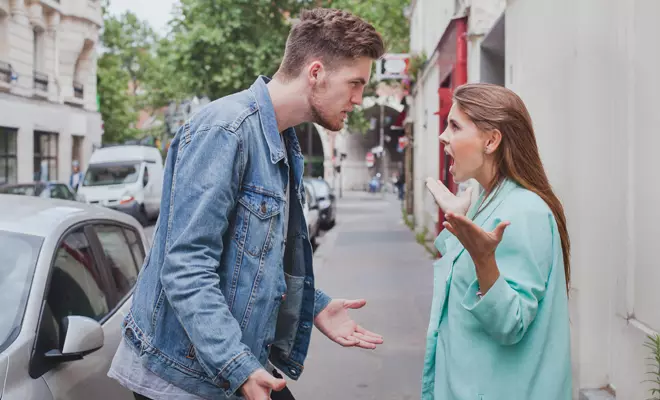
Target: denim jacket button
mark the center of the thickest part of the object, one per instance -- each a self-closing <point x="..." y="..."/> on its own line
<point x="293" y="371"/>
<point x="263" y="207"/>
<point x="225" y="385"/>
<point x="283" y="296"/>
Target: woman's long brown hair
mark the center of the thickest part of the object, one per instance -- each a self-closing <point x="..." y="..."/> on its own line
<point x="493" y="107"/>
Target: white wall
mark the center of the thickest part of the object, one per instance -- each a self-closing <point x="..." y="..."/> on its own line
<point x="588" y="74"/>
<point x="482" y="17"/>
<point x="428" y="22"/>
<point x="29" y="115"/>
<point x="426" y="148"/>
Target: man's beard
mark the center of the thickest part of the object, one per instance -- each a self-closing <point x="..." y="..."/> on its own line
<point x="319" y="116"/>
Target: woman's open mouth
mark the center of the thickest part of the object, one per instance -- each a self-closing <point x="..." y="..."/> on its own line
<point x="451" y="161"/>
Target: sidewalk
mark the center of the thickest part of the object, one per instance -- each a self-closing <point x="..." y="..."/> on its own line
<point x="371" y="254"/>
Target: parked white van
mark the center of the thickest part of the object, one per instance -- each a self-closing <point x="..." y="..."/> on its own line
<point x="125" y="178"/>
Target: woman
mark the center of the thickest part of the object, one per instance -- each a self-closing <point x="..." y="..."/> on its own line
<point x="499" y="327"/>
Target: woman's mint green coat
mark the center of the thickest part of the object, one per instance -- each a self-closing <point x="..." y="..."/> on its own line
<point x="514" y="343"/>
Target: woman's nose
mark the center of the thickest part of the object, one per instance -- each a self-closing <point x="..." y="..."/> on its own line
<point x="444" y="137"/>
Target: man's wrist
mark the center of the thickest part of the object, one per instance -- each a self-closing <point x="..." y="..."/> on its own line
<point x="321" y="301"/>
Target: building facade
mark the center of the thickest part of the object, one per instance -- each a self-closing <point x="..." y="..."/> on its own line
<point x="588" y="75"/>
<point x="48" y="104"/>
<point x="588" y="72"/>
<point x="450" y="34"/>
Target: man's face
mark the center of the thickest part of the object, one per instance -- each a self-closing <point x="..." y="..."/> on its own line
<point x="335" y="93"/>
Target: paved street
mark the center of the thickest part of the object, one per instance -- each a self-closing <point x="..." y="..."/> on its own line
<point x="370" y="254"/>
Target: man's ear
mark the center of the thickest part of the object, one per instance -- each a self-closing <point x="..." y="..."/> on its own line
<point x="315" y="71"/>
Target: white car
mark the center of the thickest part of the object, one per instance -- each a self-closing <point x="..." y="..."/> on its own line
<point x="125" y="178"/>
<point x="68" y="271"/>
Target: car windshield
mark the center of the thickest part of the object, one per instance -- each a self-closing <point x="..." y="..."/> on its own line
<point x="25" y="190"/>
<point x="111" y="174"/>
<point x="320" y="188"/>
<point x="18" y="258"/>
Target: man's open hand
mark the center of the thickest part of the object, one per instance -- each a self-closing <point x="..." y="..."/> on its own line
<point x="335" y="323"/>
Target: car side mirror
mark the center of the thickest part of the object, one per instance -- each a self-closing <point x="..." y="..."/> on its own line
<point x="82" y="336"/>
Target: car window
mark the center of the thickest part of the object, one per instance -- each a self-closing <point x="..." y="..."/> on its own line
<point x="118" y="257"/>
<point x="136" y="246"/>
<point x="18" y="258"/>
<point x="61" y="192"/>
<point x="145" y="177"/>
<point x="112" y="174"/>
<point x="25" y="190"/>
<point x="75" y="284"/>
<point x="45" y="193"/>
<point x="321" y="188"/>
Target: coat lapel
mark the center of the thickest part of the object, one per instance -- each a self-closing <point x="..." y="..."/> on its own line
<point x="494" y="201"/>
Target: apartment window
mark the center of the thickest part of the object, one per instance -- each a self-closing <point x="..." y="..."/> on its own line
<point x="40" y="77"/>
<point x="82" y="69"/>
<point x="45" y="156"/>
<point x="5" y="68"/>
<point x="8" y="172"/>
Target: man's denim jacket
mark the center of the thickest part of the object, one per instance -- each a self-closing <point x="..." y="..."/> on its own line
<point x="218" y="294"/>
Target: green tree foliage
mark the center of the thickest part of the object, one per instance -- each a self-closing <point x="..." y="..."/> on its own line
<point x="214" y="48"/>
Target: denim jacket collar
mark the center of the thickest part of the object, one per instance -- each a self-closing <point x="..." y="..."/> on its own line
<point x="269" y="123"/>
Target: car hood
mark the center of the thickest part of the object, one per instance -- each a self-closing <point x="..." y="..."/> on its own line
<point x="4" y="363"/>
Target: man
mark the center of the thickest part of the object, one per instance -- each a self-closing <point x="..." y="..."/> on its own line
<point x="401" y="183"/>
<point x="228" y="285"/>
<point x="76" y="176"/>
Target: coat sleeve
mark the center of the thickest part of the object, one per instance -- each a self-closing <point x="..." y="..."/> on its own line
<point x="524" y="258"/>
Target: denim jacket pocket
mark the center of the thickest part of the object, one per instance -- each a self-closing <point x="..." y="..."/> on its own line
<point x="255" y="223"/>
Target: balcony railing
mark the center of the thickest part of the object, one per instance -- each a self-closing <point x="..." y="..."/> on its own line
<point x="5" y="72"/>
<point x="78" y="90"/>
<point x="40" y="81"/>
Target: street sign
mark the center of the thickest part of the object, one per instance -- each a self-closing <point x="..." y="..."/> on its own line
<point x="370" y="159"/>
<point x="392" y="66"/>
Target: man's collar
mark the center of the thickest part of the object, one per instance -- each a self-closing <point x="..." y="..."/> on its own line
<point x="269" y="122"/>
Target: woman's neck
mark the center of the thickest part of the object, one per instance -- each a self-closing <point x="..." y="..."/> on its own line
<point x="488" y="178"/>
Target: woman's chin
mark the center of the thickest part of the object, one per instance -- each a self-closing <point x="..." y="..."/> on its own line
<point x="458" y="178"/>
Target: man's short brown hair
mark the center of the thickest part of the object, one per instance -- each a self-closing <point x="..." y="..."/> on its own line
<point x="331" y="36"/>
